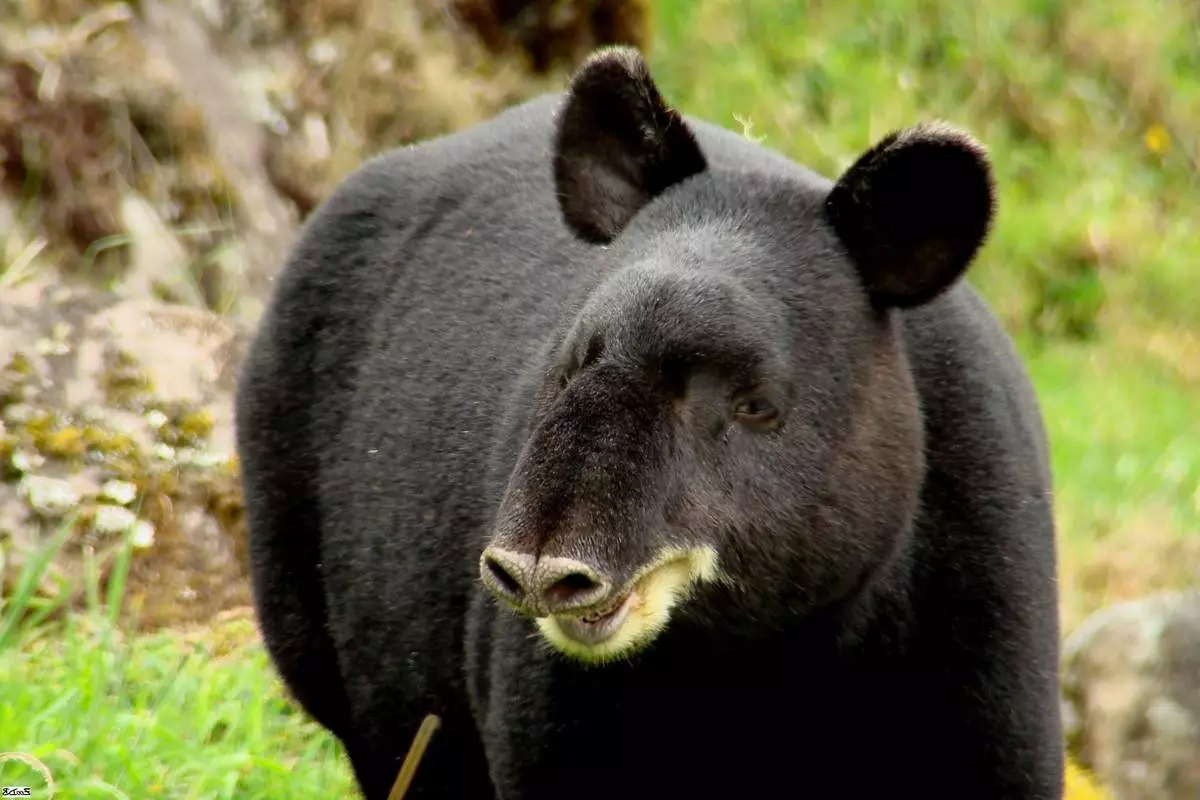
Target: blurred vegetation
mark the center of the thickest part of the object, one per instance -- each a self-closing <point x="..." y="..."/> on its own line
<point x="219" y="115"/>
<point x="1091" y="112"/>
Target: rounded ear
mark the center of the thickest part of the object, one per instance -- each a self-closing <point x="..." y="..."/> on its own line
<point x="617" y="144"/>
<point x="913" y="212"/>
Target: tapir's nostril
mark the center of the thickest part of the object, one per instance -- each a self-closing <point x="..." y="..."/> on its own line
<point x="568" y="587"/>
<point x="549" y="585"/>
<point x="507" y="573"/>
<point x="565" y="584"/>
<point x="507" y="582"/>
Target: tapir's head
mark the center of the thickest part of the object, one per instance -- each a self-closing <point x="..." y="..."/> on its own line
<point x="728" y="428"/>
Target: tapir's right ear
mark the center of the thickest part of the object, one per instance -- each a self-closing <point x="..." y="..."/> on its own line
<point x="617" y="145"/>
<point x="913" y="211"/>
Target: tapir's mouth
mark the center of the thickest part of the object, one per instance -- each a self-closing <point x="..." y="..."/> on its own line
<point x="636" y="616"/>
<point x="600" y="625"/>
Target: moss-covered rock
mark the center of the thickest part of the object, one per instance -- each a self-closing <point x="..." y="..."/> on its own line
<point x="122" y="430"/>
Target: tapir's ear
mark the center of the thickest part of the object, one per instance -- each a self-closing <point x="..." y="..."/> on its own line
<point x="913" y="211"/>
<point x="617" y="145"/>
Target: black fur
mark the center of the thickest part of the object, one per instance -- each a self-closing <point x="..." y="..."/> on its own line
<point x="551" y="332"/>
<point x="913" y="210"/>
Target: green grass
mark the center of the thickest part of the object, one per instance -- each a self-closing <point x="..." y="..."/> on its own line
<point x="159" y="716"/>
<point x="196" y="714"/>
<point x="1123" y="435"/>
<point x="1126" y="460"/>
<point x="1090" y="217"/>
<point x="1091" y="112"/>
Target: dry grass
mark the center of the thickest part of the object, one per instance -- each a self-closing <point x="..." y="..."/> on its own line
<point x="1141" y="557"/>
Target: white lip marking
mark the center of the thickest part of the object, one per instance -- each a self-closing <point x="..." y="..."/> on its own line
<point x="641" y="615"/>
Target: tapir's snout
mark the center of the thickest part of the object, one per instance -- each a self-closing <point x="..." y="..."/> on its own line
<point x="544" y="586"/>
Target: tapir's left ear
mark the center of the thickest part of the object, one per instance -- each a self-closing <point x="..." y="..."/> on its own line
<point x="913" y="211"/>
<point x="617" y="145"/>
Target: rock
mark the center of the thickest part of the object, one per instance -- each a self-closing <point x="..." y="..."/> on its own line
<point x="48" y="497"/>
<point x="120" y="492"/>
<point x="118" y="421"/>
<point x="1131" y="676"/>
<point x="112" y="520"/>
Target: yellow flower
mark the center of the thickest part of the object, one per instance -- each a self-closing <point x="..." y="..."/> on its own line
<point x="1157" y="140"/>
<point x="1080" y="785"/>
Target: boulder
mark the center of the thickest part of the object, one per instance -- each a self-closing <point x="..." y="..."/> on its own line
<point x="1131" y="676"/>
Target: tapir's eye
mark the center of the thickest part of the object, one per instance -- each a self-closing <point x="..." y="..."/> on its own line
<point x="756" y="411"/>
